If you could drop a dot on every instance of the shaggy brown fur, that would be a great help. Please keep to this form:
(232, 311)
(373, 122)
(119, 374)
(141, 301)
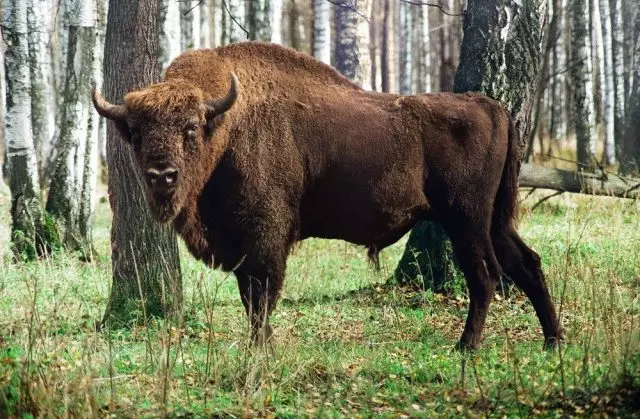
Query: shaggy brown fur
(304, 152)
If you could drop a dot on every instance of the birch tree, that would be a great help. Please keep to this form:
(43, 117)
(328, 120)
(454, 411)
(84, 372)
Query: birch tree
(363, 76)
(236, 21)
(31, 235)
(275, 17)
(144, 254)
(387, 49)
(608, 93)
(558, 128)
(405, 48)
(258, 20)
(619, 103)
(71, 195)
(346, 52)
(40, 84)
(631, 142)
(186, 25)
(421, 52)
(170, 33)
(500, 57)
(582, 81)
(321, 36)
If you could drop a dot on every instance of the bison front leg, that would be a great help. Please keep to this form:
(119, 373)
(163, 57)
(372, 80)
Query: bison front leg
(260, 284)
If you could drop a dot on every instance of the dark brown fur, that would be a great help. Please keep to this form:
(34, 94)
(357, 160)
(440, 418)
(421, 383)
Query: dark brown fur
(306, 153)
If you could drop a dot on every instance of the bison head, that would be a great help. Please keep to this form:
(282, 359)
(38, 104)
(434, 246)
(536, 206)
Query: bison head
(170, 126)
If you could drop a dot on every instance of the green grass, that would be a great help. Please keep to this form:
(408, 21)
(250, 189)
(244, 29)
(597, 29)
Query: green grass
(345, 344)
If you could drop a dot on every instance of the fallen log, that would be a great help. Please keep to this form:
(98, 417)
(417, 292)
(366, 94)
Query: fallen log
(534, 176)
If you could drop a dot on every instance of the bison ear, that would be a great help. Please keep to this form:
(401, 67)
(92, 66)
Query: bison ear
(116, 113)
(215, 107)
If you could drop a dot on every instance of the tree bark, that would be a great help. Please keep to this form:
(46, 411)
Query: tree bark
(236, 21)
(346, 49)
(631, 141)
(619, 103)
(146, 270)
(31, 234)
(582, 80)
(500, 56)
(363, 76)
(405, 77)
(169, 32)
(535, 176)
(321, 31)
(607, 85)
(276, 21)
(186, 25)
(258, 20)
(77, 144)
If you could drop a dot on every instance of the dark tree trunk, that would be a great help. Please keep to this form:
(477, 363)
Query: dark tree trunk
(502, 64)
(384, 48)
(144, 254)
(631, 139)
(346, 52)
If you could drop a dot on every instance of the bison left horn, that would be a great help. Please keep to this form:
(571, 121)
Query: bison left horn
(219, 106)
(106, 109)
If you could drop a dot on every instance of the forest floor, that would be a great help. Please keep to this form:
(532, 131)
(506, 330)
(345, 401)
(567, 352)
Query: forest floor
(346, 344)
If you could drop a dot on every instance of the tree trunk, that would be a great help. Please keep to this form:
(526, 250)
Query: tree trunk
(236, 21)
(276, 21)
(321, 31)
(76, 143)
(258, 20)
(363, 77)
(146, 269)
(186, 25)
(558, 122)
(295, 40)
(31, 235)
(631, 143)
(346, 49)
(617, 31)
(405, 76)
(534, 176)
(608, 95)
(386, 64)
(170, 32)
(40, 90)
(581, 79)
(500, 57)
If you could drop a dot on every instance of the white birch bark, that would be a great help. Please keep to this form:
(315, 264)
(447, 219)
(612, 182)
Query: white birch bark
(258, 20)
(406, 45)
(346, 52)
(276, 21)
(186, 25)
(619, 103)
(26, 214)
(205, 26)
(322, 31)
(71, 191)
(608, 92)
(581, 77)
(170, 40)
(236, 21)
(363, 76)
(215, 22)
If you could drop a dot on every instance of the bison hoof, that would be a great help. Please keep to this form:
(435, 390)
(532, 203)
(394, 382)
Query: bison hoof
(551, 343)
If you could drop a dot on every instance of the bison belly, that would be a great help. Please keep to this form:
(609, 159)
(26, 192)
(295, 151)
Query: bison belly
(373, 213)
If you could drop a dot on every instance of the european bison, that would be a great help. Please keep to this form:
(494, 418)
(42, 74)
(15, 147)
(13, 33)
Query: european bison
(245, 169)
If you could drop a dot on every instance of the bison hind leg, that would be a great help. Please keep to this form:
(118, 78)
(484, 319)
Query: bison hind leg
(373, 253)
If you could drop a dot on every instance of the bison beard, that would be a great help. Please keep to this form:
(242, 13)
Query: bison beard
(300, 151)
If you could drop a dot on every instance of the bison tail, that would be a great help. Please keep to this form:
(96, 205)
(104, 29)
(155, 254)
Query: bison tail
(505, 206)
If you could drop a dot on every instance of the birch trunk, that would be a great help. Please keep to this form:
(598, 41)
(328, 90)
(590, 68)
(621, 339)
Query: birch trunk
(387, 50)
(558, 84)
(631, 144)
(258, 20)
(276, 21)
(363, 77)
(346, 53)
(619, 103)
(146, 266)
(40, 92)
(186, 25)
(236, 21)
(76, 145)
(608, 95)
(321, 31)
(169, 32)
(30, 234)
(582, 81)
(405, 76)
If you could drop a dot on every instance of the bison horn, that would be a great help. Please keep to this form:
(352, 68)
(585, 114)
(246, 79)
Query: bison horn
(219, 106)
(106, 109)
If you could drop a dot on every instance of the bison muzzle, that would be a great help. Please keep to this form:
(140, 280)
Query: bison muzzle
(244, 171)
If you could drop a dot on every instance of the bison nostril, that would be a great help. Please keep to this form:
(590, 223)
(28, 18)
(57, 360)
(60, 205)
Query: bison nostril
(161, 178)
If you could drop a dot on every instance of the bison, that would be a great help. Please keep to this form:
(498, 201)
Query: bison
(249, 148)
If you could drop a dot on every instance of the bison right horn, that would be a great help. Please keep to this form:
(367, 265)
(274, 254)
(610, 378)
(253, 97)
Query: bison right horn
(219, 106)
(106, 109)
